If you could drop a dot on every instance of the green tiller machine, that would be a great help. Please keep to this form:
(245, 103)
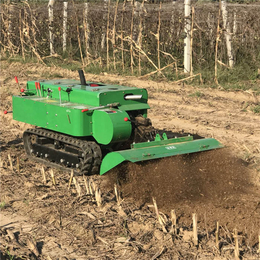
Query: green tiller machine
(92, 127)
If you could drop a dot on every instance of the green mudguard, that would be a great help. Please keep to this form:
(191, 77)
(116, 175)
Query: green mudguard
(158, 149)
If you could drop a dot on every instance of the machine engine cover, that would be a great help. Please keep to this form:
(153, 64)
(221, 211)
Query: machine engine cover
(110, 126)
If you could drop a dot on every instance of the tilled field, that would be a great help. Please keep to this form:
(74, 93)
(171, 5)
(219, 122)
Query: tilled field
(43, 220)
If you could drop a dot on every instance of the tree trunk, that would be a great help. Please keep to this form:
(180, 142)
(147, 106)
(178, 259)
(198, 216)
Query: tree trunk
(227, 33)
(187, 40)
(86, 31)
(137, 10)
(235, 24)
(65, 20)
(172, 21)
(103, 37)
(50, 8)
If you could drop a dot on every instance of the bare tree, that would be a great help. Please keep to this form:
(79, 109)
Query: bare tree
(105, 11)
(65, 20)
(227, 33)
(187, 40)
(50, 7)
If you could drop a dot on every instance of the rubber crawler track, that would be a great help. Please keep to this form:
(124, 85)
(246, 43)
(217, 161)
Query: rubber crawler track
(89, 153)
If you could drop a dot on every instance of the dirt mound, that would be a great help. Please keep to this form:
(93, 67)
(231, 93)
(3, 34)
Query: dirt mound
(211, 176)
(214, 184)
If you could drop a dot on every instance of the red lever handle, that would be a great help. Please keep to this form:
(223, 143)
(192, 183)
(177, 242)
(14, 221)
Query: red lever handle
(84, 110)
(6, 112)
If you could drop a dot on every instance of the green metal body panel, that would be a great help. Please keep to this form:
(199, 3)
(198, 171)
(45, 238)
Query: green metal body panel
(93, 96)
(66, 111)
(48, 113)
(158, 149)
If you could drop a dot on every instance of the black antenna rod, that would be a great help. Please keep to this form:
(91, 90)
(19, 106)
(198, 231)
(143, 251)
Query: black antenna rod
(82, 77)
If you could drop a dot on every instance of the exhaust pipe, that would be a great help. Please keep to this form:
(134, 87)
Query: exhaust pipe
(82, 77)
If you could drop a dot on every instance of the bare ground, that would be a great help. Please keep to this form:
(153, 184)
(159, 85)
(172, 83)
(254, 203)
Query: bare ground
(47, 221)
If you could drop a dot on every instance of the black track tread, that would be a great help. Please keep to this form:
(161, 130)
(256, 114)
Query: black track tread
(87, 161)
(97, 157)
(90, 161)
